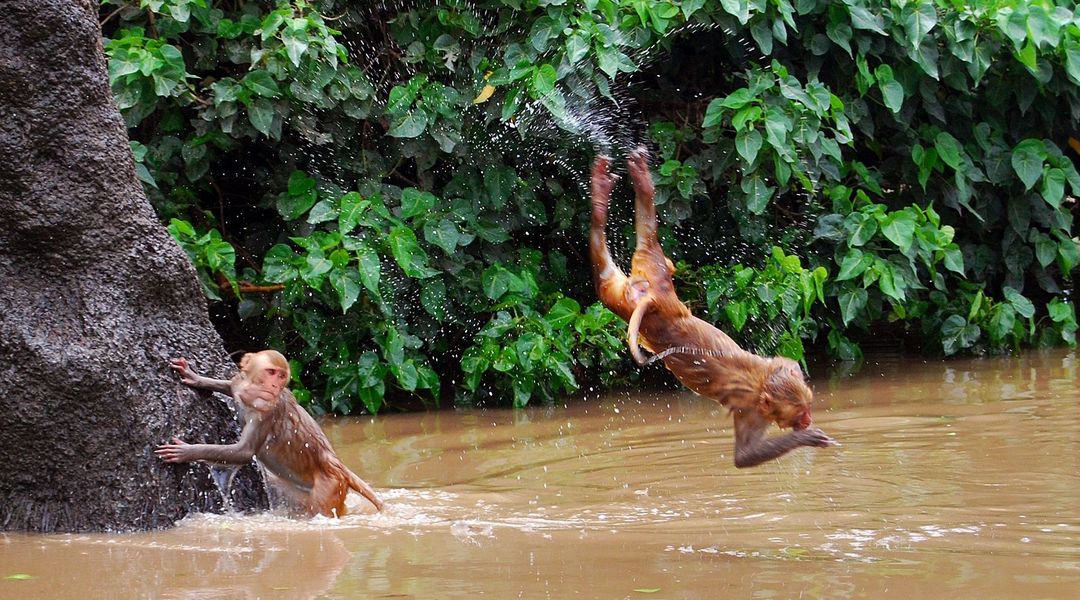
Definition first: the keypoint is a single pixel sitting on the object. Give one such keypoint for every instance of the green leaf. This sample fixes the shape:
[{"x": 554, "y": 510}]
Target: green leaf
[
  {"x": 120, "y": 64},
  {"x": 954, "y": 259},
  {"x": 496, "y": 281},
  {"x": 261, "y": 83},
  {"x": 1024, "y": 307},
  {"x": 407, "y": 252},
  {"x": 1068, "y": 255},
  {"x": 261, "y": 115},
  {"x": 949, "y": 149},
  {"x": 861, "y": 228},
  {"x": 737, "y": 313},
  {"x": 433, "y": 298},
  {"x": 506, "y": 361},
  {"x": 181, "y": 229},
  {"x": 893, "y": 95},
  {"x": 409, "y": 125},
  {"x": 296, "y": 44},
  {"x": 346, "y": 282},
  {"x": 444, "y": 234},
  {"x": 1053, "y": 186},
  {"x": 499, "y": 183},
  {"x": 18, "y": 577},
  {"x": 577, "y": 46},
  {"x": 1072, "y": 60},
  {"x": 523, "y": 389},
  {"x": 293, "y": 206},
  {"x": 1045, "y": 250},
  {"x": 1028, "y": 56},
  {"x": 748, "y": 143},
  {"x": 777, "y": 126},
  {"x": 351, "y": 208},
  {"x": 746, "y": 117},
  {"x": 370, "y": 268},
  {"x": 958, "y": 334},
  {"x": 737, "y": 99},
  {"x": 758, "y": 194},
  {"x": 415, "y": 202},
  {"x": 853, "y": 264},
  {"x": 278, "y": 264},
  {"x": 851, "y": 304},
  {"x": 842, "y": 347},
  {"x": 1013, "y": 23},
  {"x": 314, "y": 267},
  {"x": 918, "y": 18},
  {"x": 714, "y": 114},
  {"x": 647, "y": 590},
  {"x": 791, "y": 346},
  {"x": 861, "y": 18},
  {"x": 406, "y": 374},
  {"x": 1002, "y": 321},
  {"x": 899, "y": 228},
  {"x": 544, "y": 80},
  {"x": 563, "y": 313},
  {"x": 1027, "y": 161},
  {"x": 220, "y": 255},
  {"x": 300, "y": 183},
  {"x": 1061, "y": 312},
  {"x": 740, "y": 9},
  {"x": 323, "y": 211}
]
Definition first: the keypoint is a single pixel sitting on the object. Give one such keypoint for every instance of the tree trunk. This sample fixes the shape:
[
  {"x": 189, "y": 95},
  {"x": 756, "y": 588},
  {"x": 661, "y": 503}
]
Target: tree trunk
[{"x": 96, "y": 297}]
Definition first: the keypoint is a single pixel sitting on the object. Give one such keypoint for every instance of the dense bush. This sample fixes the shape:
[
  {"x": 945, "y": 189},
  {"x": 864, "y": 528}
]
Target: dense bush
[{"x": 394, "y": 192}]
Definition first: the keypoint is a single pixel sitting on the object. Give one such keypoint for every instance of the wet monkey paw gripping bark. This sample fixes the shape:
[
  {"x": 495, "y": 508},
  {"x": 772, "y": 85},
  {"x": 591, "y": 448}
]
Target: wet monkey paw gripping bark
[
  {"x": 296, "y": 455},
  {"x": 758, "y": 390}
]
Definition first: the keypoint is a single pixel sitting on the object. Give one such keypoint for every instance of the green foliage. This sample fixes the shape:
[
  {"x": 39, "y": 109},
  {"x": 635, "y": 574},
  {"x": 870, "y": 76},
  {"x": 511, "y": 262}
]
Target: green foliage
[
  {"x": 536, "y": 355},
  {"x": 210, "y": 254},
  {"x": 770, "y": 308},
  {"x": 387, "y": 196}
]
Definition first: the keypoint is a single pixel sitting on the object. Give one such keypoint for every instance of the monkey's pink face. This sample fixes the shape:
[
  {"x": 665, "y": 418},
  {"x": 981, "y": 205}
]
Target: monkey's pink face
[{"x": 273, "y": 379}]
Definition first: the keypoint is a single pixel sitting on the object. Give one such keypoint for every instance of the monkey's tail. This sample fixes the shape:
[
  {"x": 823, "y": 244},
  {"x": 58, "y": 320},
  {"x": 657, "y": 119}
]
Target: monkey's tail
[
  {"x": 681, "y": 350},
  {"x": 365, "y": 490}
]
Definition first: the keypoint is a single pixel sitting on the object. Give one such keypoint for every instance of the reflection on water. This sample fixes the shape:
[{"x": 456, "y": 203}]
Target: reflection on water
[{"x": 954, "y": 479}]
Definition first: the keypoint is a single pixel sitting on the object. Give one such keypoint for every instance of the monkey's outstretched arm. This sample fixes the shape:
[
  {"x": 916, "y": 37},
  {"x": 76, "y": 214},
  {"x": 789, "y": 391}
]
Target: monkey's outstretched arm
[
  {"x": 251, "y": 438},
  {"x": 752, "y": 447},
  {"x": 192, "y": 379}
]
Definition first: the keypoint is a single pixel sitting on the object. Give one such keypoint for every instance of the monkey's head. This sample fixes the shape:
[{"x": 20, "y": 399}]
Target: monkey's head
[
  {"x": 785, "y": 398},
  {"x": 267, "y": 368}
]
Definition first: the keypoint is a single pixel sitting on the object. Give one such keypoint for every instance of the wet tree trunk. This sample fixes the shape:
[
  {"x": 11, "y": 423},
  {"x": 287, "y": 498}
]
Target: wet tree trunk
[{"x": 96, "y": 297}]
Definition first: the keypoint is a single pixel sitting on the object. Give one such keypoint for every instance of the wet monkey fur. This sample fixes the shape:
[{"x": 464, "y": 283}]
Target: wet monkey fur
[
  {"x": 758, "y": 390},
  {"x": 288, "y": 443}
]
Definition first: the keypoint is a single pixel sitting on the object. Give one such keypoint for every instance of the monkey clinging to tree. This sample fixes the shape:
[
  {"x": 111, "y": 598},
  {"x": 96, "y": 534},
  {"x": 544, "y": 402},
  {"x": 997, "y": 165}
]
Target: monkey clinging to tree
[{"x": 293, "y": 451}]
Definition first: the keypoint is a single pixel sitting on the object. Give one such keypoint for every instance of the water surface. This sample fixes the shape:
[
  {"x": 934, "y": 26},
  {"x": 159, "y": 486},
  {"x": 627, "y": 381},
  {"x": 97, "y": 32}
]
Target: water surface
[{"x": 955, "y": 479}]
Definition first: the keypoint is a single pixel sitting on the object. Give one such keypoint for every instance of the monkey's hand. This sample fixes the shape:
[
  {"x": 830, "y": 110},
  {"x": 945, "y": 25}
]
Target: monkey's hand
[
  {"x": 602, "y": 179},
  {"x": 815, "y": 437},
  {"x": 187, "y": 376},
  {"x": 178, "y": 451},
  {"x": 256, "y": 396},
  {"x": 638, "y": 165}
]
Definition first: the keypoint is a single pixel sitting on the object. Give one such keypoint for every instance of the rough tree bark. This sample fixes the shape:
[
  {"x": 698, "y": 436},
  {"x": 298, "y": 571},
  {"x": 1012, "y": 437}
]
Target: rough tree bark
[{"x": 96, "y": 297}]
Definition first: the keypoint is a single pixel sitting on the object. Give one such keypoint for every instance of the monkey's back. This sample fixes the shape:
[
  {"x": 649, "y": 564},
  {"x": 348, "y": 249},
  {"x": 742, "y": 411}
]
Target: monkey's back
[{"x": 296, "y": 446}]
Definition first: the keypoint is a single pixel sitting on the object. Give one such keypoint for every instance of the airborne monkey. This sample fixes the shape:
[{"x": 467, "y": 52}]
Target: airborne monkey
[{"x": 758, "y": 390}]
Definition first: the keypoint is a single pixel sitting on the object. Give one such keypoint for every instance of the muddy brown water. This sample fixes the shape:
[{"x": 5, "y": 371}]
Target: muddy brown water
[{"x": 955, "y": 479}]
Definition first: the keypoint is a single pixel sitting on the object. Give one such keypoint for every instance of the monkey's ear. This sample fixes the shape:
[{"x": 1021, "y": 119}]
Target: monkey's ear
[
  {"x": 765, "y": 404},
  {"x": 245, "y": 361}
]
